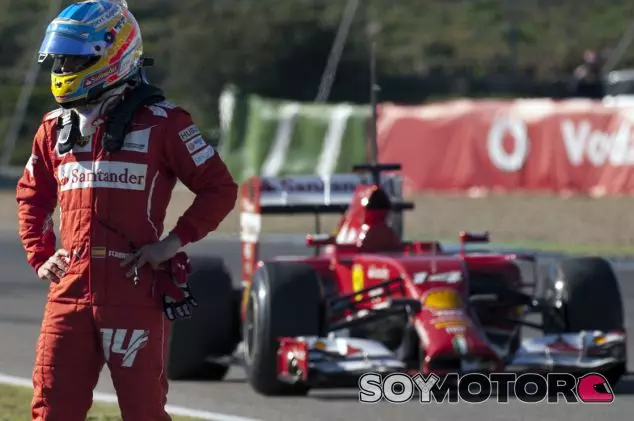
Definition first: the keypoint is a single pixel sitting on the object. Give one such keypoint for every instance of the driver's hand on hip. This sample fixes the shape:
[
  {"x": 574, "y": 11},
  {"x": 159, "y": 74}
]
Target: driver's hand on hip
[
  {"x": 153, "y": 254},
  {"x": 55, "y": 267}
]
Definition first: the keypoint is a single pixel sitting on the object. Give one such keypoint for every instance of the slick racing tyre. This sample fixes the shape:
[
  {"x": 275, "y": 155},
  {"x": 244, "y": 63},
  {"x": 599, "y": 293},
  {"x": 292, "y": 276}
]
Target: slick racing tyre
[
  {"x": 284, "y": 300},
  {"x": 590, "y": 298},
  {"x": 211, "y": 330}
]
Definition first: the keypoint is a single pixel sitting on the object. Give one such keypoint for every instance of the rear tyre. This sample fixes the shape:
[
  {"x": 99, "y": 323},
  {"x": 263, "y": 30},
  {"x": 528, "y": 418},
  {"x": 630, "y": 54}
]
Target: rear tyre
[
  {"x": 211, "y": 330},
  {"x": 284, "y": 300},
  {"x": 589, "y": 298}
]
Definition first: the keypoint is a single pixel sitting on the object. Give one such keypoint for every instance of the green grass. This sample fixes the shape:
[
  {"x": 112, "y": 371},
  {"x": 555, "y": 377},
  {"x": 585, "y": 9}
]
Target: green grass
[{"x": 15, "y": 405}]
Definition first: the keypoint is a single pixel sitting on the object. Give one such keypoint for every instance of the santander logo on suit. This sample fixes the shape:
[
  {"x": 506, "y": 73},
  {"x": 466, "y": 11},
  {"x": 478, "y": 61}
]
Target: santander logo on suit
[{"x": 102, "y": 174}]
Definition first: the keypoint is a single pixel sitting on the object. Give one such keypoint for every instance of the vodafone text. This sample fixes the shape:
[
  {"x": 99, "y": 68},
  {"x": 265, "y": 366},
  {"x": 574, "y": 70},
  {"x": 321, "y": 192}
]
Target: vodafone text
[
  {"x": 582, "y": 141},
  {"x": 479, "y": 388}
]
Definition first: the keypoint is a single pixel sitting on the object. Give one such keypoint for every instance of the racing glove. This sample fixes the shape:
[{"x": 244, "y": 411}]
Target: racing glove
[{"x": 174, "y": 290}]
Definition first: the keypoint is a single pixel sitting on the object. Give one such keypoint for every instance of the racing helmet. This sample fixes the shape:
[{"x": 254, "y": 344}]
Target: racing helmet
[{"x": 96, "y": 46}]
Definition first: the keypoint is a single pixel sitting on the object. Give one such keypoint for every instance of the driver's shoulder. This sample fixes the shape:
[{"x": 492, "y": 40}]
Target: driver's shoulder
[{"x": 53, "y": 114}]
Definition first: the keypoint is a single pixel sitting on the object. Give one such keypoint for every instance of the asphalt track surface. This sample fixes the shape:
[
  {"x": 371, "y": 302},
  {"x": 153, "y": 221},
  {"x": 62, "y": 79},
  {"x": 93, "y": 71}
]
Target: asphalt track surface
[{"x": 21, "y": 305}]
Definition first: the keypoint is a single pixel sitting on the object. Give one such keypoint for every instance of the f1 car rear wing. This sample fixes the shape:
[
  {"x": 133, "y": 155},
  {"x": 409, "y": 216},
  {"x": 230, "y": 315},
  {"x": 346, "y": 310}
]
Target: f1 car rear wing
[
  {"x": 303, "y": 194},
  {"x": 315, "y": 194}
]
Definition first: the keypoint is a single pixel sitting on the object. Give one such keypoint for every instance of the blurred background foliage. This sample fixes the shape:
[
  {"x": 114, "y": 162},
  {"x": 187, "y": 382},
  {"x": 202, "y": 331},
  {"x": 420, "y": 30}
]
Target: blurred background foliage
[{"x": 428, "y": 49}]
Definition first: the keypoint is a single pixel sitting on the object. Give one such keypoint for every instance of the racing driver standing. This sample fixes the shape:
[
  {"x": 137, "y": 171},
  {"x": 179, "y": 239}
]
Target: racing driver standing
[{"x": 110, "y": 156}]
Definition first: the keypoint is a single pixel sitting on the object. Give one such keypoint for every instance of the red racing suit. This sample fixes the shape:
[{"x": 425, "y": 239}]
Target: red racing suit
[{"x": 109, "y": 204}]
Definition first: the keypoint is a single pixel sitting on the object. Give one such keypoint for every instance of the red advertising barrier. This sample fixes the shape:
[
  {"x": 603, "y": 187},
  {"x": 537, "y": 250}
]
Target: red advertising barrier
[{"x": 574, "y": 146}]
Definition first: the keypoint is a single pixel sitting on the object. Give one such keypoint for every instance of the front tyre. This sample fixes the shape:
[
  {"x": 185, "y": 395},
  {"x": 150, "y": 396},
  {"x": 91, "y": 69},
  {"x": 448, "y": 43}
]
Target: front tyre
[
  {"x": 585, "y": 294},
  {"x": 284, "y": 300}
]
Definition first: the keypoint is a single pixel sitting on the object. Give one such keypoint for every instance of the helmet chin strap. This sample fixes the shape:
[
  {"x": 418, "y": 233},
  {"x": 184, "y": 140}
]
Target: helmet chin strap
[{"x": 89, "y": 113}]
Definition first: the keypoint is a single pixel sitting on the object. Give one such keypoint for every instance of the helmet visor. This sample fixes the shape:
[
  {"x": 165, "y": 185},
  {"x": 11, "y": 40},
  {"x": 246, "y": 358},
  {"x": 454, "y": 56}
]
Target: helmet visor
[
  {"x": 59, "y": 43},
  {"x": 64, "y": 65}
]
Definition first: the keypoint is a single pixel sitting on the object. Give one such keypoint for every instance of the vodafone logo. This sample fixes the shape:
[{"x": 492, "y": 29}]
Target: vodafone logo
[
  {"x": 508, "y": 143},
  {"x": 585, "y": 144},
  {"x": 102, "y": 174}
]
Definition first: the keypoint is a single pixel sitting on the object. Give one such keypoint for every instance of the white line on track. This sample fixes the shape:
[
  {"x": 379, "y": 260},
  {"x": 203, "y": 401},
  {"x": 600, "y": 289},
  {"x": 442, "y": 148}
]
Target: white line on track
[{"x": 110, "y": 398}]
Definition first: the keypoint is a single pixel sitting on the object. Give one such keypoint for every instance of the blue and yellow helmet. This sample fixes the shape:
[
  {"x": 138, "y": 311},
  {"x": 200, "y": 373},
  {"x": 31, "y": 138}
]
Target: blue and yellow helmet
[{"x": 95, "y": 46}]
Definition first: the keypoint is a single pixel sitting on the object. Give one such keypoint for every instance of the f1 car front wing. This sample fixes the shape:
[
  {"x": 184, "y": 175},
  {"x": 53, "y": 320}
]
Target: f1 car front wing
[{"x": 339, "y": 361}]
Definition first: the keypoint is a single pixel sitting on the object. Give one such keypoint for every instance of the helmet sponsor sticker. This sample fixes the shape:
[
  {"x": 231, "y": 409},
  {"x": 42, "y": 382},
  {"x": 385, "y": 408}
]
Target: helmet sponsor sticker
[
  {"x": 101, "y": 20},
  {"x": 100, "y": 75},
  {"x": 119, "y": 24},
  {"x": 127, "y": 62},
  {"x": 102, "y": 174}
]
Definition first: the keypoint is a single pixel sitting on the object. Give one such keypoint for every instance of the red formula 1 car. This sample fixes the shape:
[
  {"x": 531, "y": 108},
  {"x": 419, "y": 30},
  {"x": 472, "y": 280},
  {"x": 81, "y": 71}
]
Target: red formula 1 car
[{"x": 367, "y": 300}]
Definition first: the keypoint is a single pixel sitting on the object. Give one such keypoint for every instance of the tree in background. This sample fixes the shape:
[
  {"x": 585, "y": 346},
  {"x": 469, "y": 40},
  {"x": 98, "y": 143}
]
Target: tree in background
[{"x": 428, "y": 49}]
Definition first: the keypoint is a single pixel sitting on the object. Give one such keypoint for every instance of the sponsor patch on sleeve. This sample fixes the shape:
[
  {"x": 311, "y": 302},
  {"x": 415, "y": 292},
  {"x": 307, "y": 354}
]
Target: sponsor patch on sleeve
[
  {"x": 189, "y": 133},
  {"x": 195, "y": 144},
  {"x": 203, "y": 155}
]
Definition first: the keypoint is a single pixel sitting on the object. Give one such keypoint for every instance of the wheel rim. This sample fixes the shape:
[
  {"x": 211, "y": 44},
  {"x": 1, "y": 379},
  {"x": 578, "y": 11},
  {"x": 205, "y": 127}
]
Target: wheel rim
[{"x": 250, "y": 328}]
